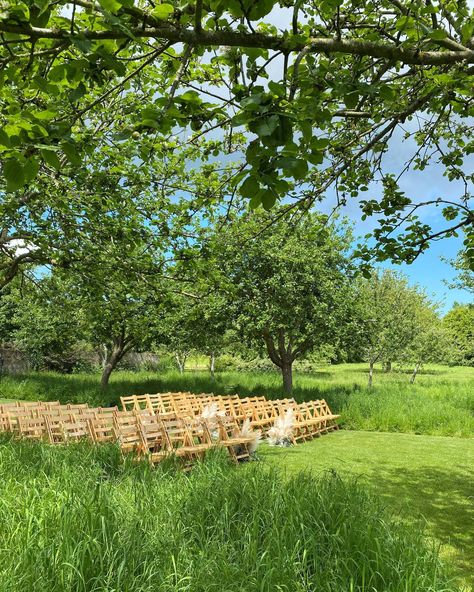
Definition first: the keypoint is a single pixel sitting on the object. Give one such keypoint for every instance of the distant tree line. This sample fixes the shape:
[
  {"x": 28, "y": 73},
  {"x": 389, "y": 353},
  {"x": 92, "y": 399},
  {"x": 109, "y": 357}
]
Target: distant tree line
[{"x": 246, "y": 288}]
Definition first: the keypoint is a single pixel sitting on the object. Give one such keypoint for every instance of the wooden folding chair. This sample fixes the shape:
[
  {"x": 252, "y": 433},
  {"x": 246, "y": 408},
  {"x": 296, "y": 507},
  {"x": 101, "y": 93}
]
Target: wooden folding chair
[
  {"x": 18, "y": 415},
  {"x": 102, "y": 428},
  {"x": 179, "y": 440},
  {"x": 264, "y": 414},
  {"x": 128, "y": 432},
  {"x": 76, "y": 429},
  {"x": 231, "y": 438},
  {"x": 33, "y": 428},
  {"x": 182, "y": 407},
  {"x": 330, "y": 417},
  {"x": 5, "y": 422},
  {"x": 153, "y": 441},
  {"x": 106, "y": 410}
]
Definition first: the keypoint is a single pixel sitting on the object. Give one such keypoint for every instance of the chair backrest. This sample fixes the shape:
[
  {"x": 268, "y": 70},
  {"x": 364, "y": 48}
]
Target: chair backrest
[
  {"x": 176, "y": 434},
  {"x": 151, "y": 432},
  {"x": 5, "y": 422},
  {"x": 228, "y": 428},
  {"x": 19, "y": 414},
  {"x": 76, "y": 429},
  {"x": 102, "y": 428},
  {"x": 33, "y": 428},
  {"x": 198, "y": 432},
  {"x": 128, "y": 431}
]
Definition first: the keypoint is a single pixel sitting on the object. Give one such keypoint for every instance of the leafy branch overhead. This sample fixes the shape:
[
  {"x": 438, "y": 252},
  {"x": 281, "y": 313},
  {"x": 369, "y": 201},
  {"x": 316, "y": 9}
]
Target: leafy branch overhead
[{"x": 312, "y": 94}]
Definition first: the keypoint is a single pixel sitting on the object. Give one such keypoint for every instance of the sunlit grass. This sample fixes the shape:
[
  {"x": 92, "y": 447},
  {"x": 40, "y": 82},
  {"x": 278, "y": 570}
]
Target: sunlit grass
[{"x": 424, "y": 479}]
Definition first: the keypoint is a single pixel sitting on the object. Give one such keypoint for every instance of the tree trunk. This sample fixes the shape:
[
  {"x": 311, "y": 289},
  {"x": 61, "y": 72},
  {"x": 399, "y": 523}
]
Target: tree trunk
[
  {"x": 181, "y": 361},
  {"x": 415, "y": 371},
  {"x": 387, "y": 366},
  {"x": 103, "y": 355},
  {"x": 212, "y": 363},
  {"x": 371, "y": 374},
  {"x": 287, "y": 373},
  {"x": 121, "y": 345},
  {"x": 283, "y": 357},
  {"x": 110, "y": 364}
]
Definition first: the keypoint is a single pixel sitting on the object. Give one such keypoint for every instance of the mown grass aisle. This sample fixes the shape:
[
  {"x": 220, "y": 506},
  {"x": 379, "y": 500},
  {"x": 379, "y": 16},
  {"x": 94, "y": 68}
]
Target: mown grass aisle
[
  {"x": 74, "y": 519},
  {"x": 423, "y": 479}
]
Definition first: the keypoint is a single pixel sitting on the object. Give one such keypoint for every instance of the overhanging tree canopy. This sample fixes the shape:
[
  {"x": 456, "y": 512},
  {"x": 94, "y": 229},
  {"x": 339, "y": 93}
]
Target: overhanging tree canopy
[{"x": 346, "y": 76}]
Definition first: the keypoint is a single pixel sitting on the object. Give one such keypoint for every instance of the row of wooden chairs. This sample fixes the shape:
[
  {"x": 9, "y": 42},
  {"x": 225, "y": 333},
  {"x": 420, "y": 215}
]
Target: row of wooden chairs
[
  {"x": 311, "y": 419},
  {"x": 141, "y": 431}
]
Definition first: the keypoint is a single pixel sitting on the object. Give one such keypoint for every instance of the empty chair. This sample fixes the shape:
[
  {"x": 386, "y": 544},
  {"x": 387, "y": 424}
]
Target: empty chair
[
  {"x": 179, "y": 440},
  {"x": 102, "y": 428},
  {"x": 33, "y": 428},
  {"x": 152, "y": 437},
  {"x": 128, "y": 432},
  {"x": 230, "y": 436},
  {"x": 5, "y": 422},
  {"x": 76, "y": 429}
]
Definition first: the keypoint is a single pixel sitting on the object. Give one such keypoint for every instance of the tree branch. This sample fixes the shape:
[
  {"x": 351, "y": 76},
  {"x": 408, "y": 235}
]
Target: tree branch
[{"x": 287, "y": 43}]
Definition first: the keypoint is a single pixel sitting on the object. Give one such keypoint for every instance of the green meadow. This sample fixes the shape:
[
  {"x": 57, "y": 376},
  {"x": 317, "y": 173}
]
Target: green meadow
[{"x": 386, "y": 503}]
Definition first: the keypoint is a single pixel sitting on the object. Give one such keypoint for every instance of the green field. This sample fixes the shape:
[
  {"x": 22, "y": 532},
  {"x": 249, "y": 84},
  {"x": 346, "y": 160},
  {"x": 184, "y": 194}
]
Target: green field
[
  {"x": 441, "y": 402},
  {"x": 406, "y": 457}
]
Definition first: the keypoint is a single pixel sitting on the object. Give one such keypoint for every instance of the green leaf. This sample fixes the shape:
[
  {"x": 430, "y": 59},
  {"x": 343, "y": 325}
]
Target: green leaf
[
  {"x": 387, "y": 92},
  {"x": 296, "y": 167},
  {"x": 110, "y": 5},
  {"x": 72, "y": 154},
  {"x": 163, "y": 11},
  {"x": 14, "y": 174},
  {"x": 51, "y": 158},
  {"x": 44, "y": 115},
  {"x": 351, "y": 100},
  {"x": 4, "y": 139},
  {"x": 249, "y": 187},
  {"x": 31, "y": 169},
  {"x": 255, "y": 202},
  {"x": 266, "y": 126},
  {"x": 268, "y": 199},
  {"x": 438, "y": 35},
  {"x": 319, "y": 143},
  {"x": 277, "y": 89}
]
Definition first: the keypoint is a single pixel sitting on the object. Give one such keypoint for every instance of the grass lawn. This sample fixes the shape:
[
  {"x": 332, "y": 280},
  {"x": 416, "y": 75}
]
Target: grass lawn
[{"x": 427, "y": 478}]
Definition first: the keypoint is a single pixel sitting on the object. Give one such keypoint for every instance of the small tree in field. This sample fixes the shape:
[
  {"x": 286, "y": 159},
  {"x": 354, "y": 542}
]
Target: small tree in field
[
  {"x": 387, "y": 306},
  {"x": 459, "y": 325},
  {"x": 287, "y": 287},
  {"x": 429, "y": 343}
]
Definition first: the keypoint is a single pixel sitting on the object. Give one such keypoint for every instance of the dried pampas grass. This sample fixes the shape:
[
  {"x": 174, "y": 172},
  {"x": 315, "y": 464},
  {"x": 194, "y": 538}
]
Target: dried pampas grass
[
  {"x": 246, "y": 430},
  {"x": 281, "y": 433}
]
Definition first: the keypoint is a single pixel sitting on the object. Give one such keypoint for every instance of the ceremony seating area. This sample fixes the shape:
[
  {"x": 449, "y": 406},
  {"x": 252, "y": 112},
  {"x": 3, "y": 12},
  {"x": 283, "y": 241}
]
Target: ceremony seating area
[{"x": 184, "y": 425}]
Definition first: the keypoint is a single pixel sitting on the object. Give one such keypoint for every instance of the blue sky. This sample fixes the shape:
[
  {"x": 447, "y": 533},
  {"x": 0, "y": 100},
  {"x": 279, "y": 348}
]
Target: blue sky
[{"x": 430, "y": 270}]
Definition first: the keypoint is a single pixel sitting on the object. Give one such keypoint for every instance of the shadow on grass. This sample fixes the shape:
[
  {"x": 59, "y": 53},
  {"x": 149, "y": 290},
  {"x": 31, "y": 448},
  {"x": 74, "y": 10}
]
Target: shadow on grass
[
  {"x": 445, "y": 498},
  {"x": 392, "y": 373},
  {"x": 86, "y": 389}
]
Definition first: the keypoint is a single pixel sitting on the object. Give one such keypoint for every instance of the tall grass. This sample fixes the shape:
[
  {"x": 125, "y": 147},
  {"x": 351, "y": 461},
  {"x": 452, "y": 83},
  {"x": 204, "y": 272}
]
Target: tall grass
[
  {"x": 75, "y": 519},
  {"x": 441, "y": 402}
]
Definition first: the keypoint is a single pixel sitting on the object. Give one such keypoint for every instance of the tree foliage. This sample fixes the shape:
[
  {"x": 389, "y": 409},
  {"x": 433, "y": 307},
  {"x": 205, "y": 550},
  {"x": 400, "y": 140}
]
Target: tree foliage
[
  {"x": 459, "y": 324},
  {"x": 396, "y": 321},
  {"x": 286, "y": 289},
  {"x": 314, "y": 103}
]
